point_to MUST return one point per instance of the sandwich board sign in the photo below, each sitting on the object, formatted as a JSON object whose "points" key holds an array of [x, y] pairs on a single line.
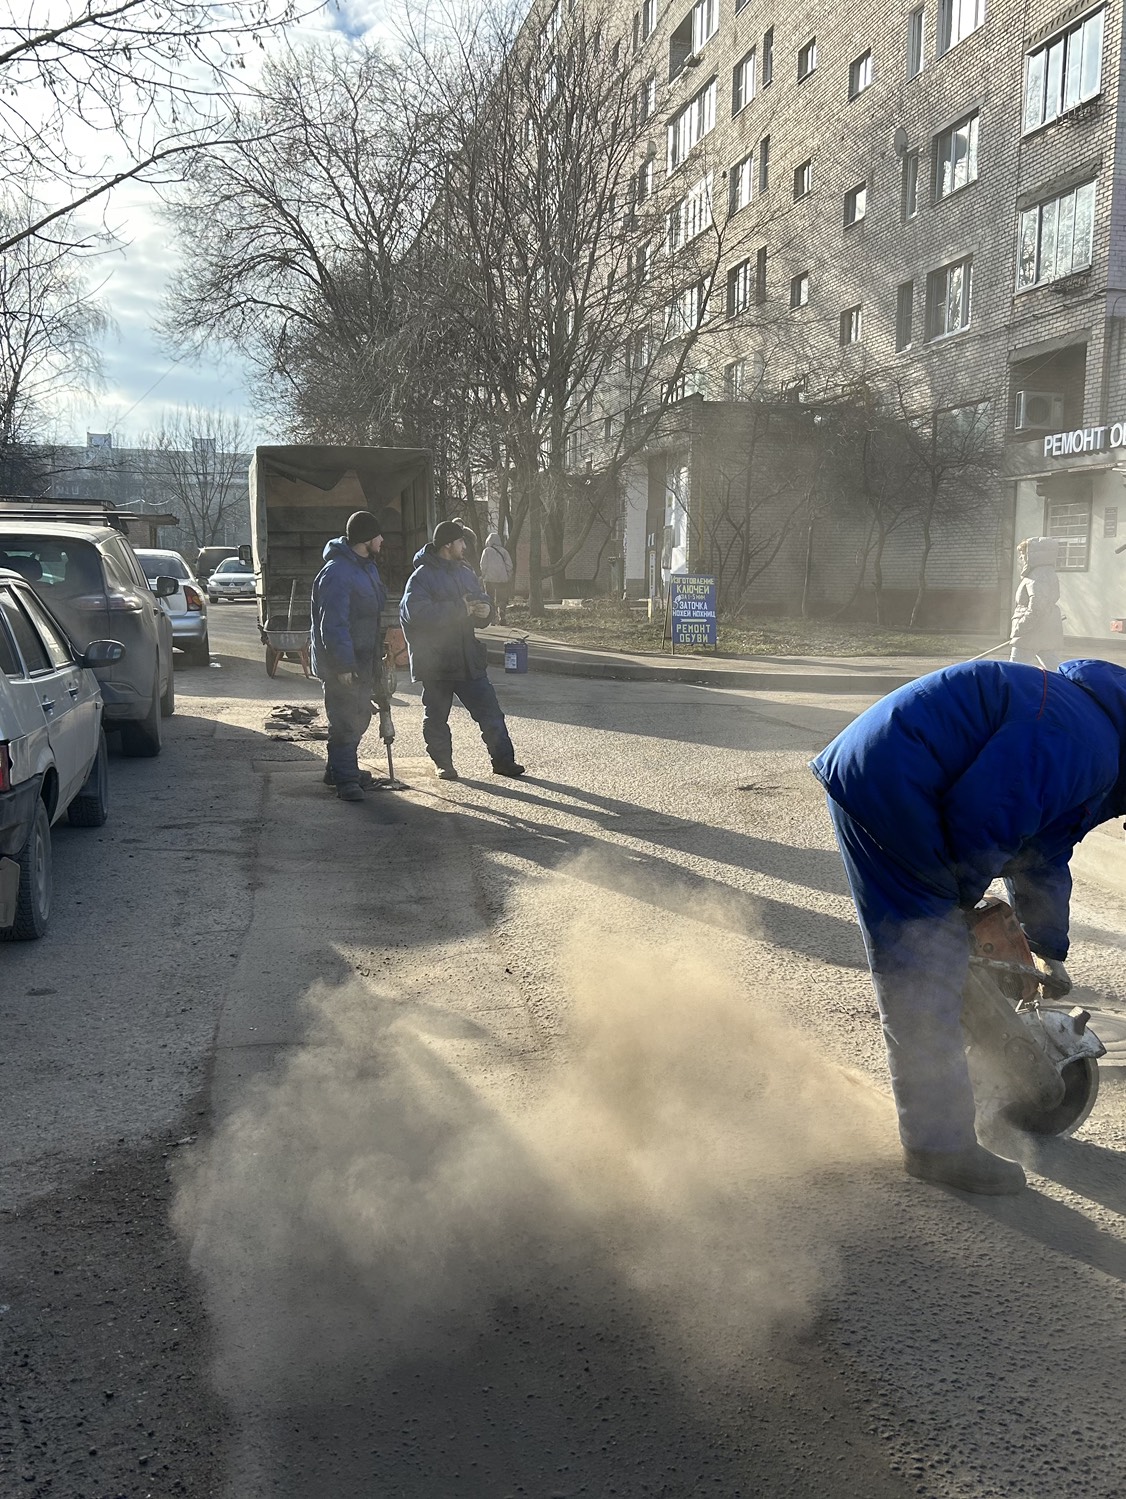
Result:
{"points": [[692, 610]]}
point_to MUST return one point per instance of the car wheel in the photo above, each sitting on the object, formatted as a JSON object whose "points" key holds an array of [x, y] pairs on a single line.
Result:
{"points": [[90, 807], [168, 697], [198, 653], [213, 598], [141, 739], [33, 904]]}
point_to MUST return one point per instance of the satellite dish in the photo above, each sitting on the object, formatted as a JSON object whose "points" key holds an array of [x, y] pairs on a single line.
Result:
{"points": [[899, 140]]}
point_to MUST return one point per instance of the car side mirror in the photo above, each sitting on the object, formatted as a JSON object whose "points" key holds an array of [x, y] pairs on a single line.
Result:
{"points": [[102, 653], [246, 556], [164, 588]]}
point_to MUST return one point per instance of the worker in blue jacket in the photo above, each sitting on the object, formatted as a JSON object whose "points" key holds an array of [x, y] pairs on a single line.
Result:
{"points": [[348, 599], [443, 606], [982, 770]]}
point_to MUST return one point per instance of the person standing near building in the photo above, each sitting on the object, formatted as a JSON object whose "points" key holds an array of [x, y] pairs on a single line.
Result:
{"points": [[443, 606], [347, 601], [1037, 628], [496, 573]]}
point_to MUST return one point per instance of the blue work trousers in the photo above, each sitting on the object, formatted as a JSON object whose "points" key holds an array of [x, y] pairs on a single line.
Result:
{"points": [[348, 709], [918, 948], [478, 697]]}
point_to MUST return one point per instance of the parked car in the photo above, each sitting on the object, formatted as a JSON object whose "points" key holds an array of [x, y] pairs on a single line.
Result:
{"points": [[209, 558], [232, 579], [87, 575], [186, 608], [52, 749]]}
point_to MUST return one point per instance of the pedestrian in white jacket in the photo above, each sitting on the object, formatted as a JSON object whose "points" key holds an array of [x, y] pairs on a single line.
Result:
{"points": [[1037, 630], [496, 573]]}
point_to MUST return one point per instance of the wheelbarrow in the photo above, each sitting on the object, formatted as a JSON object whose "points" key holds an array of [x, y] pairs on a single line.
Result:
{"points": [[291, 641]]}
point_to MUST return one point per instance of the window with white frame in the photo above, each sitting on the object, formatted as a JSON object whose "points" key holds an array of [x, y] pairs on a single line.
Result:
{"points": [[799, 290], [680, 387], [856, 204], [735, 379], [645, 180], [552, 24], [803, 179], [764, 164], [705, 22], [904, 311], [685, 312], [689, 126], [807, 58], [915, 24], [647, 99], [639, 350], [648, 17], [740, 183], [691, 215], [955, 157], [1064, 72], [950, 298], [852, 325], [859, 73], [743, 82], [957, 19], [643, 262], [909, 197], [768, 56], [740, 287], [1070, 521], [1057, 237]]}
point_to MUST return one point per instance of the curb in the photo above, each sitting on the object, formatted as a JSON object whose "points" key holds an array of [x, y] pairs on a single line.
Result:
{"points": [[602, 669]]}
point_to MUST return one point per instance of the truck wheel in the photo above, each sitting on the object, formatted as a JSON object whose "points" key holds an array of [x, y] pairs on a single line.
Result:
{"points": [[90, 807], [33, 904], [141, 739]]}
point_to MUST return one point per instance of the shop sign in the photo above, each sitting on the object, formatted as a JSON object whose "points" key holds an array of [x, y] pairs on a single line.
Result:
{"points": [[692, 602], [1085, 440]]}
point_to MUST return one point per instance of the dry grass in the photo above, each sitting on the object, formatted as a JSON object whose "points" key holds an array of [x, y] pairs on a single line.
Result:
{"points": [[607, 626]]}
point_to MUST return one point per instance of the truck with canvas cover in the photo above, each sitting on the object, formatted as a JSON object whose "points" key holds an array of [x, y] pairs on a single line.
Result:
{"points": [[301, 497]]}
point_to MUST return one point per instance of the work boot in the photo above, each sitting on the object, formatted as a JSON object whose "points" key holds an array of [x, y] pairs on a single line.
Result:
{"points": [[972, 1170], [446, 773], [365, 777], [507, 768], [350, 791]]}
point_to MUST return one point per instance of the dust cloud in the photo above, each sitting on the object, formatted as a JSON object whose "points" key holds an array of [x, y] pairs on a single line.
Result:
{"points": [[403, 1172]]}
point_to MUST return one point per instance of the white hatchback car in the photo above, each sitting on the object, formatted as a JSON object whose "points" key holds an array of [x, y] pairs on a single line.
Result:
{"points": [[52, 749], [232, 579]]}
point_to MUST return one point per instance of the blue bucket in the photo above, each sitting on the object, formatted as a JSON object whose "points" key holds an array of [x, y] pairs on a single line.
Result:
{"points": [[516, 655]]}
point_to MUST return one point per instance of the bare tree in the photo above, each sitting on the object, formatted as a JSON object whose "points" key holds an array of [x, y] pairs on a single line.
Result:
{"points": [[200, 459], [145, 80]]}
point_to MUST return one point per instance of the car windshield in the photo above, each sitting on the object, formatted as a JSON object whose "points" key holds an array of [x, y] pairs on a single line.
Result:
{"points": [[60, 568], [163, 565], [232, 565]]}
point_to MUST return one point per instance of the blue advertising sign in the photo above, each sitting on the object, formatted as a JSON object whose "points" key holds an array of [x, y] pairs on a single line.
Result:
{"points": [[692, 609]]}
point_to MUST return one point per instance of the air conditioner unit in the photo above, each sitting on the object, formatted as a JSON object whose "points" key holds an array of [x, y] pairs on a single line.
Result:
{"points": [[1038, 410]]}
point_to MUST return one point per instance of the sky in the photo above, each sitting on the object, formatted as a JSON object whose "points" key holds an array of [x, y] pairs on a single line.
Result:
{"points": [[142, 381]]}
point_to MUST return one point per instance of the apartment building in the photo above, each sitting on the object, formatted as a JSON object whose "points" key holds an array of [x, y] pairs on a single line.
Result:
{"points": [[916, 201]]}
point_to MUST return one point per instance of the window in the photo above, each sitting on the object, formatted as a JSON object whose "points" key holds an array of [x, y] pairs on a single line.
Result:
{"points": [[648, 17], [1064, 72], [691, 124], [57, 647], [956, 20], [647, 99], [689, 37], [31, 648], [949, 298], [963, 430], [803, 179], [686, 311], [852, 325], [740, 285], [692, 215], [904, 308], [764, 164], [552, 25], [645, 180], [915, 23], [680, 387], [615, 54], [743, 82], [955, 157], [1057, 237], [705, 22], [856, 204], [760, 276], [1110, 521], [643, 263], [735, 380], [807, 59], [859, 74], [768, 56], [740, 183], [799, 290], [1070, 520], [910, 185], [10, 663]]}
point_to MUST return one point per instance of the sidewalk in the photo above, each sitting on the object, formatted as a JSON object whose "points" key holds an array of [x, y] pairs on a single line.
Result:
{"points": [[842, 674]]}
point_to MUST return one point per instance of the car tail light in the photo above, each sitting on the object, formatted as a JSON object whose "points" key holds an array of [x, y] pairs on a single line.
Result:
{"points": [[5, 769], [89, 603], [124, 603], [193, 598]]}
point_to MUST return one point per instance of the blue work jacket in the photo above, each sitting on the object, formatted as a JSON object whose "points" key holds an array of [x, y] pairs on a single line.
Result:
{"points": [[348, 598], [439, 632], [988, 769]]}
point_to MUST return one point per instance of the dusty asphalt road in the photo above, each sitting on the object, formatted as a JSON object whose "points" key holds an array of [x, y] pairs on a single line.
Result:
{"points": [[501, 1139]]}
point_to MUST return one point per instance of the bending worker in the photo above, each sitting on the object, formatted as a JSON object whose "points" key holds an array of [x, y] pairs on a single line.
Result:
{"points": [[348, 598], [982, 770], [443, 606]]}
